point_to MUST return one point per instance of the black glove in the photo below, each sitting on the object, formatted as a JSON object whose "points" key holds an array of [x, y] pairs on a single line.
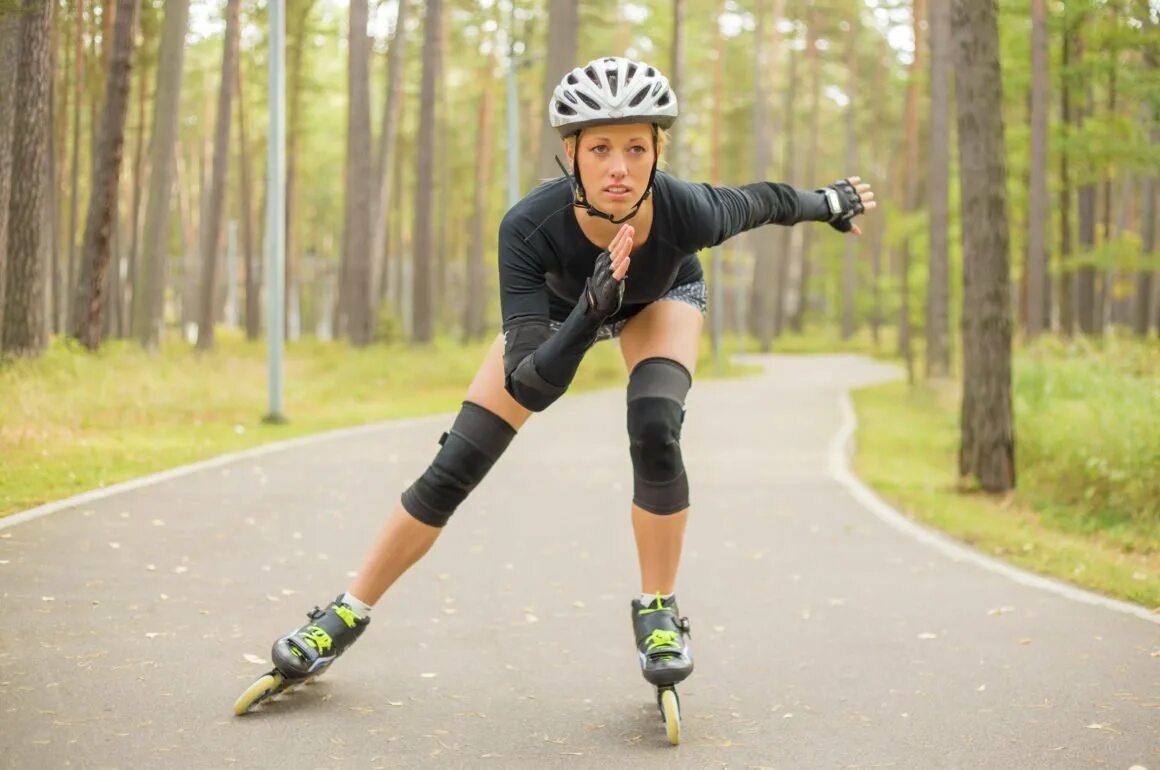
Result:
{"points": [[844, 203], [603, 292]]}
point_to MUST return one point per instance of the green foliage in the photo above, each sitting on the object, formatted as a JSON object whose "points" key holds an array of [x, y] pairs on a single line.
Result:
{"points": [[1088, 425], [1087, 431]]}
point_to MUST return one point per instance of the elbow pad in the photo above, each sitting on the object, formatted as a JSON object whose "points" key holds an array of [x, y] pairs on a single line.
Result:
{"points": [[521, 379], [529, 389]]}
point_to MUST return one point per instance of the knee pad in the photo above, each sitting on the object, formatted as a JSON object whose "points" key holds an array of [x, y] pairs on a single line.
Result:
{"points": [[476, 440], [656, 409]]}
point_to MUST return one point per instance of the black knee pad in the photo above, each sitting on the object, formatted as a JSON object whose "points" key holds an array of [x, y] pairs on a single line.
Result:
{"points": [[656, 409], [476, 440]]}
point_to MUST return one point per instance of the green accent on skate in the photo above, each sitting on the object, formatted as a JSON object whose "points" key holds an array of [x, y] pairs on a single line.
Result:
{"points": [[650, 609], [662, 638], [317, 638], [347, 615]]}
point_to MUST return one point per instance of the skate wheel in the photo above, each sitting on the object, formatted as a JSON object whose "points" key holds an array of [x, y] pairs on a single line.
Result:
{"points": [[261, 689], [671, 713]]}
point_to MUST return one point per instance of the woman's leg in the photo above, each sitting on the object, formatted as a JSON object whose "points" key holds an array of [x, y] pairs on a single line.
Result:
{"points": [[667, 329], [404, 539]]}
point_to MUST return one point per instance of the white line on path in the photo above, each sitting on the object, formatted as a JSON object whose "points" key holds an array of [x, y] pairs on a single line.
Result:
{"points": [[840, 470]]}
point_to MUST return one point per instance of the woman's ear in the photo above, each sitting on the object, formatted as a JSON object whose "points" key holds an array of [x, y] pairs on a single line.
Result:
{"points": [[570, 153]]}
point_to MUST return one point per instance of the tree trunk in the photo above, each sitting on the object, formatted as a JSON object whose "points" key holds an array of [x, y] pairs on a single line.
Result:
{"points": [[790, 162], [908, 183], [1038, 307], [1065, 283], [74, 187], [850, 254], [212, 223], [423, 312], [987, 451], [249, 258], [938, 354], [150, 299], [764, 240], [101, 219], [814, 64], [563, 24], [473, 322], [1145, 278], [355, 300], [388, 136], [1086, 278], [135, 284], [674, 149], [23, 326], [297, 32], [9, 62]]}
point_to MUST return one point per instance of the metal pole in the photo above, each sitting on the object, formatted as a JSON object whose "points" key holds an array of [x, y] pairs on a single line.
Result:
{"points": [[276, 208]]}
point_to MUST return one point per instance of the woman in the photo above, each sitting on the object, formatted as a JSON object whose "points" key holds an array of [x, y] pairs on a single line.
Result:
{"points": [[609, 250]]}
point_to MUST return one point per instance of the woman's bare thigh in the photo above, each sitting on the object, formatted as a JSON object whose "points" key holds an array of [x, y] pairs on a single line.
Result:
{"points": [[665, 329], [487, 388]]}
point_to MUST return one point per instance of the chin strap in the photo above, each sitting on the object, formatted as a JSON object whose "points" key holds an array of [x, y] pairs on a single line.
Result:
{"points": [[580, 198]]}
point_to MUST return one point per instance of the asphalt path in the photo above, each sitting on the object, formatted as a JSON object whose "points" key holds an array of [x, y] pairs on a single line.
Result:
{"points": [[824, 634]]}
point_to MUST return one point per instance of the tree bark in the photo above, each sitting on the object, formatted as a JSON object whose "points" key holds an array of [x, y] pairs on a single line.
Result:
{"points": [[790, 165], [355, 301], [101, 220], [249, 258], [23, 326], [1086, 278], [9, 62], [135, 284], [423, 313], [473, 322], [850, 254], [908, 180], [150, 299], [674, 149], [987, 451], [388, 141], [938, 354], [765, 260], [1066, 286], [1038, 308], [814, 65], [1145, 278], [212, 223], [563, 24]]}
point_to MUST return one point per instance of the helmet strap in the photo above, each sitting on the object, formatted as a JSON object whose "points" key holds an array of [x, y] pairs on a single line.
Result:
{"points": [[580, 198]]}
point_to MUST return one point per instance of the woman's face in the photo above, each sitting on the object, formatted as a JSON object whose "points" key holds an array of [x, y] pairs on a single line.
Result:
{"points": [[615, 164]]}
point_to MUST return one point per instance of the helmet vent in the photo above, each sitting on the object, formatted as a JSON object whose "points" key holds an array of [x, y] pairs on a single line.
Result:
{"points": [[664, 100], [564, 109], [572, 79], [631, 71], [612, 83], [591, 73], [640, 95], [588, 100]]}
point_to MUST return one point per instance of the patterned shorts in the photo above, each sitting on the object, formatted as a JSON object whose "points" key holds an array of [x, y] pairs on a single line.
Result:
{"points": [[693, 294]]}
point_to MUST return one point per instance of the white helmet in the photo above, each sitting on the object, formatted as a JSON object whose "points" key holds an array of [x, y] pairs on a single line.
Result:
{"points": [[612, 90]]}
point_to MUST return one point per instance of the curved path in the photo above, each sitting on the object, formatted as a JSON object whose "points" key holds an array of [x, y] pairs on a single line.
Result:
{"points": [[824, 637]]}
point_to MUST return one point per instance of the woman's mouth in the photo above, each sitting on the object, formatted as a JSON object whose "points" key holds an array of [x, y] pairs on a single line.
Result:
{"points": [[617, 192]]}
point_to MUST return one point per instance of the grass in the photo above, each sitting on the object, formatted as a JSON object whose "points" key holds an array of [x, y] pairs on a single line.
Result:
{"points": [[1087, 431], [72, 421]]}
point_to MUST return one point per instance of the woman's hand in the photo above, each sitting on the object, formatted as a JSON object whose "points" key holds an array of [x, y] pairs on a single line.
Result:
{"points": [[605, 290], [853, 198]]}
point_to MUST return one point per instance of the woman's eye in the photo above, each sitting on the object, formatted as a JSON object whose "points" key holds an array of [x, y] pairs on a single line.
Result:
{"points": [[638, 149], [600, 148]]}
